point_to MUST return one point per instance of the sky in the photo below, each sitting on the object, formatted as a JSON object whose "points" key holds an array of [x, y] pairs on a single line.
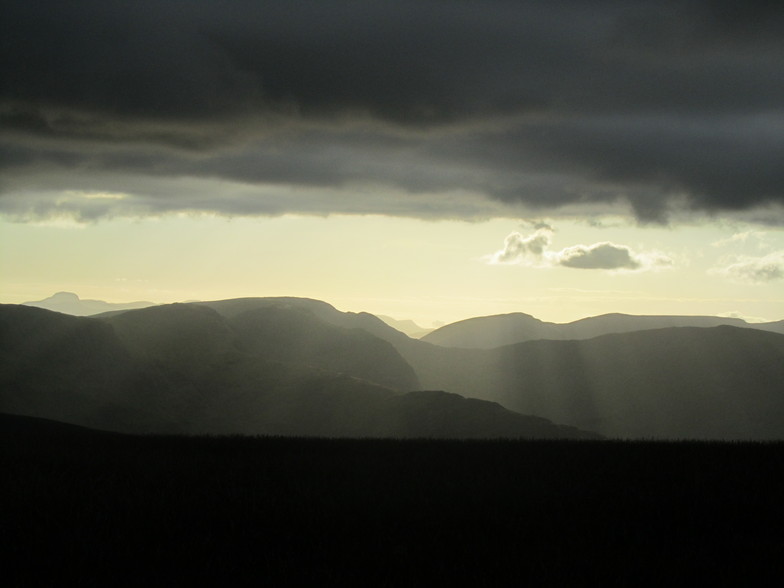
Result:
{"points": [[430, 160]]}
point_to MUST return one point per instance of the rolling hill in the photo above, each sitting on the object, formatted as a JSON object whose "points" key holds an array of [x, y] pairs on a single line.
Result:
{"points": [[678, 383], [299, 366], [185, 368], [505, 329], [697, 370]]}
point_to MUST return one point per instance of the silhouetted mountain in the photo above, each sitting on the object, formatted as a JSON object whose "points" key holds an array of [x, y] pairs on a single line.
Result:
{"points": [[325, 312], [288, 330], [506, 329], [773, 327], [173, 333], [405, 345], [14, 424], [296, 335], [561, 371], [701, 383], [408, 327], [442, 414], [184, 368], [70, 303], [625, 323], [492, 331], [299, 366]]}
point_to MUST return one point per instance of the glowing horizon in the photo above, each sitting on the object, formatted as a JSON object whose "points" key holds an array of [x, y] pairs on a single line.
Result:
{"points": [[428, 272]]}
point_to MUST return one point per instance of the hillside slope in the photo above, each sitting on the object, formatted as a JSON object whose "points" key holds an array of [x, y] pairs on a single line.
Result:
{"points": [[186, 369], [680, 382], [506, 329], [703, 383]]}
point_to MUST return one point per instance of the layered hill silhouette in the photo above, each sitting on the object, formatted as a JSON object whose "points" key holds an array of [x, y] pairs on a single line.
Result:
{"points": [[707, 382], [678, 383], [408, 327], [299, 366], [272, 368], [505, 329]]}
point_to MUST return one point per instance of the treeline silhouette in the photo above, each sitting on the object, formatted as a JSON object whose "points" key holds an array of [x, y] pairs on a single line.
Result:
{"points": [[104, 508]]}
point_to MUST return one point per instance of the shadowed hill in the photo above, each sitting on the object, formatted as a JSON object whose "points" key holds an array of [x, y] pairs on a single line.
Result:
{"points": [[492, 331], [72, 369], [773, 327], [506, 329], [625, 323], [13, 424], [442, 414], [296, 335], [704, 383], [323, 311], [276, 332], [186, 369], [174, 333], [407, 326], [298, 366], [706, 396]]}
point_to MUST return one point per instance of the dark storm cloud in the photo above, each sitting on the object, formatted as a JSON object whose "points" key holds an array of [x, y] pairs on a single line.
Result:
{"points": [[540, 104]]}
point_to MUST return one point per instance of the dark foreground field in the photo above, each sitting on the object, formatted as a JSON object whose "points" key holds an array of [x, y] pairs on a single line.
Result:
{"points": [[100, 509]]}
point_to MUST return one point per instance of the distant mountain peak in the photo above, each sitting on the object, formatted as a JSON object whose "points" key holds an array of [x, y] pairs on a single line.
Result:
{"points": [[406, 326], [505, 329], [63, 296], [70, 303]]}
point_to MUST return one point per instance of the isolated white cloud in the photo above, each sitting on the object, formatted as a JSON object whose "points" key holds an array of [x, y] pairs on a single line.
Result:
{"points": [[598, 256], [610, 256], [532, 250], [519, 249], [757, 270]]}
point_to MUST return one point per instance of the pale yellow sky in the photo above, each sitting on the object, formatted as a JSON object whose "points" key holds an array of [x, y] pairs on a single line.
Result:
{"points": [[409, 269]]}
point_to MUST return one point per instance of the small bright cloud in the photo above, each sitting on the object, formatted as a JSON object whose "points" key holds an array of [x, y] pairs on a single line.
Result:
{"points": [[522, 250], [532, 250], [598, 256], [757, 270]]}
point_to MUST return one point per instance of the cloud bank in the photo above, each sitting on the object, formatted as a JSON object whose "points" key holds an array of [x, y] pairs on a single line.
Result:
{"points": [[423, 108]]}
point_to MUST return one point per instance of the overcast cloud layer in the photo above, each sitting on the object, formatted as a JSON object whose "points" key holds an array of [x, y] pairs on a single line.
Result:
{"points": [[429, 108]]}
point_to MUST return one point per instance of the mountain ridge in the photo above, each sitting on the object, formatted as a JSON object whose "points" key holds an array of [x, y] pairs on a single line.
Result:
{"points": [[506, 329], [285, 357], [721, 382], [176, 369]]}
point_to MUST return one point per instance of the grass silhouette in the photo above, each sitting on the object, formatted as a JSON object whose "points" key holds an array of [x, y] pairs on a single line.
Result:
{"points": [[104, 508]]}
